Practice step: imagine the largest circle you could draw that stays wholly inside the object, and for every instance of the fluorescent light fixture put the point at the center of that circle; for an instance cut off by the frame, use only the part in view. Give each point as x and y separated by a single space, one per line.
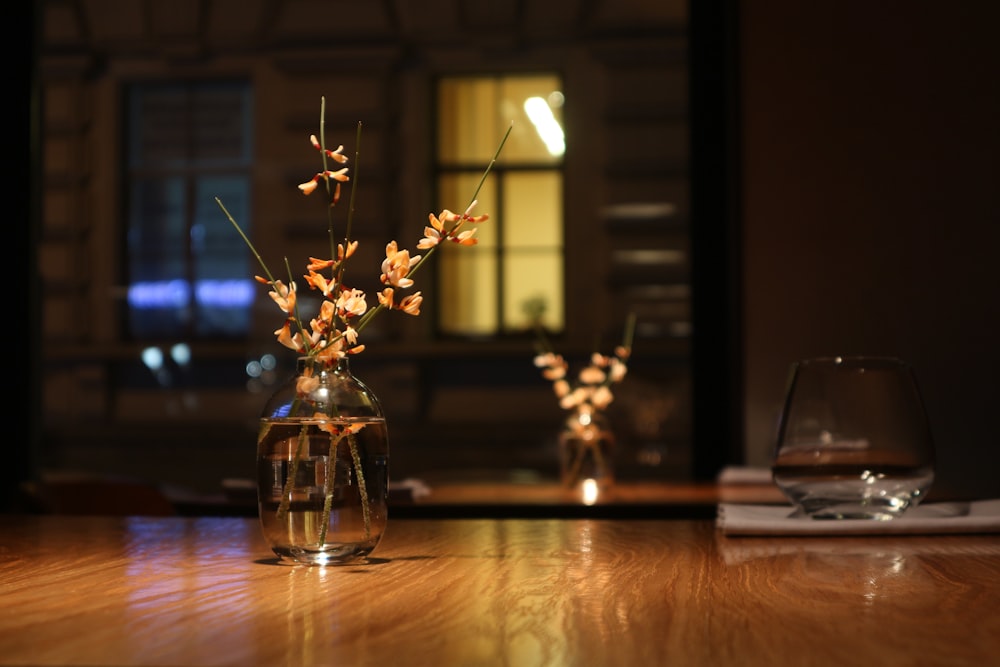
546 125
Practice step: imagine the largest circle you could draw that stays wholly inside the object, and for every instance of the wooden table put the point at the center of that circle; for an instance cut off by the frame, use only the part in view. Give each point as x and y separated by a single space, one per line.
625 500
520 592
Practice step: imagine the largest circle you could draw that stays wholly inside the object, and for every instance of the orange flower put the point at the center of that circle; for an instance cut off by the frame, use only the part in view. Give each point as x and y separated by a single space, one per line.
396 265
351 302
283 296
344 311
318 281
411 304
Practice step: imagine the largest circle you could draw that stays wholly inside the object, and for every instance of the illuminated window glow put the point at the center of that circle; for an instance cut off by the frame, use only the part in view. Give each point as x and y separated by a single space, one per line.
514 278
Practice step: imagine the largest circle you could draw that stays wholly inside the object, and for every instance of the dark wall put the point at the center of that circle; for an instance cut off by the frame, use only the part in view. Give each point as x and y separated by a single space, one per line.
871 136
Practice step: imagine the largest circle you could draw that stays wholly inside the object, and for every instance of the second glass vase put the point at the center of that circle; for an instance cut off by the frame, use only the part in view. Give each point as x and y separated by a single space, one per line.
586 450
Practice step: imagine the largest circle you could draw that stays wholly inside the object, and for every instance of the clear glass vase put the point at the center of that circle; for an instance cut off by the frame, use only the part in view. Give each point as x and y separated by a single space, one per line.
586 451
322 466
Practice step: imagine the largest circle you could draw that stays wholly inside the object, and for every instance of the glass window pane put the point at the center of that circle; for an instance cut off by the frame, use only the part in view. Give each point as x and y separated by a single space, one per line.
159 132
533 282
221 124
475 111
159 293
224 289
466 108
468 279
532 207
188 273
468 291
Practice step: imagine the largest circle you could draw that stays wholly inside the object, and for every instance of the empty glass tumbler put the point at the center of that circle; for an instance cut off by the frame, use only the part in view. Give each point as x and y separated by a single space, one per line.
854 440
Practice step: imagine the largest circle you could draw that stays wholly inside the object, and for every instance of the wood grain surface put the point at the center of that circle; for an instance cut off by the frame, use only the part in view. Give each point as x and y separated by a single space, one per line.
186 591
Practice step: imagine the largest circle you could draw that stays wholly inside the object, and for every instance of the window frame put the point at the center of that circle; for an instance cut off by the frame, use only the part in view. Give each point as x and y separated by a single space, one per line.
500 171
189 173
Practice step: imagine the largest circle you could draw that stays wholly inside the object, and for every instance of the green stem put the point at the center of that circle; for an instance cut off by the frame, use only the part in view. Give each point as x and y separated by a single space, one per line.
286 492
328 486
267 271
577 463
475 196
260 260
362 486
348 232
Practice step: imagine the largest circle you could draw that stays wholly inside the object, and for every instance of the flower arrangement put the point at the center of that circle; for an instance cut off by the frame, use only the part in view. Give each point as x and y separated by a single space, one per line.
586 443
592 390
322 342
345 312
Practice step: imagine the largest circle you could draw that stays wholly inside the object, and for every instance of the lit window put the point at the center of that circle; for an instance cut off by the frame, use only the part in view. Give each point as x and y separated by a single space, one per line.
515 275
187 144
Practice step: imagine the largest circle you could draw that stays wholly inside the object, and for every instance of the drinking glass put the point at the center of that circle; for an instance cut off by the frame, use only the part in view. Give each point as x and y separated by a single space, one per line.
853 440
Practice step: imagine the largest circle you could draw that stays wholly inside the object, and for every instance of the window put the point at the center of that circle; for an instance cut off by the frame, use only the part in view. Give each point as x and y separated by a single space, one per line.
515 275
187 144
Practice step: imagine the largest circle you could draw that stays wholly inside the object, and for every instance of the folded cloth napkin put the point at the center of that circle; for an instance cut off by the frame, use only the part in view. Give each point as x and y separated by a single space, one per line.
745 475
981 516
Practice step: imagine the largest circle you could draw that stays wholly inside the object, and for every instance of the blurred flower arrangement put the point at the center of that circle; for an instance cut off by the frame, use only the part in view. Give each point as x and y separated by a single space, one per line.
592 390
334 332
586 441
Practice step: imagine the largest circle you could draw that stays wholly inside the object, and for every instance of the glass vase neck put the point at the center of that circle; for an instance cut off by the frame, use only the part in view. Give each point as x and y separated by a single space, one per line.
316 364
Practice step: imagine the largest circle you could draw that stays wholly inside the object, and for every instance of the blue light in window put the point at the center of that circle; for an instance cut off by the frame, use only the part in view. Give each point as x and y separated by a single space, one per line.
177 294
225 293
159 294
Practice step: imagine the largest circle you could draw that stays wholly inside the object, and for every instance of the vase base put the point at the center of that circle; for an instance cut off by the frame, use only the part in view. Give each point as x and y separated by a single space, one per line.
331 555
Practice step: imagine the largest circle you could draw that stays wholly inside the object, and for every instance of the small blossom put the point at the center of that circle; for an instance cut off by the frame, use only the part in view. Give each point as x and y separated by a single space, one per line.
331 348
319 264
574 398
385 297
351 303
592 375
554 373
336 155
432 235
323 323
465 238
411 304
285 337
343 254
306 384
283 296
396 266
318 281
338 429
618 370
601 398
310 186
545 359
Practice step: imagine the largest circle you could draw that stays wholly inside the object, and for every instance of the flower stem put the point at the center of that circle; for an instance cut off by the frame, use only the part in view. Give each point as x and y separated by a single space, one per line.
260 260
286 492
362 486
328 486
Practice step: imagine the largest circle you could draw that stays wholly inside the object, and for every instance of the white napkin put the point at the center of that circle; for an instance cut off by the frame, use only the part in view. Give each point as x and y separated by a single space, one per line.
981 516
